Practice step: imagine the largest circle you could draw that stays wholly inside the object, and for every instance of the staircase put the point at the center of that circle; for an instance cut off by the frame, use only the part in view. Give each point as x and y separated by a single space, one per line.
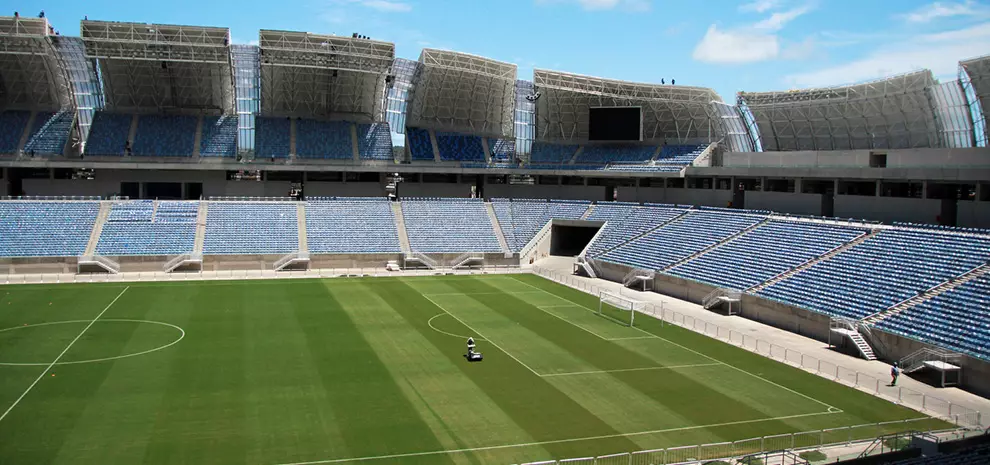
928 294
532 247
301 223
422 259
184 260
498 230
97 261
716 245
718 296
200 228
400 226
101 219
588 212
154 210
583 264
639 276
810 263
294 260
847 329
464 259
917 359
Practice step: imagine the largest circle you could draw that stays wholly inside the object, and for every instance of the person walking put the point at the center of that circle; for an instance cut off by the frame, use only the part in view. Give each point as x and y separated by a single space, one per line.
895 371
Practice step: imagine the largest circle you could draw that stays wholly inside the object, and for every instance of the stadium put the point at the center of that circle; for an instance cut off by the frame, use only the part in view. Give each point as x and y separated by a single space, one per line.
216 253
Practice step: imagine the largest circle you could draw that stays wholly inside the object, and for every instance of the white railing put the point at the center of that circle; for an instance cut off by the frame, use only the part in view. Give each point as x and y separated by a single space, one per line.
859 437
535 241
182 260
916 358
101 261
291 258
920 401
466 257
422 258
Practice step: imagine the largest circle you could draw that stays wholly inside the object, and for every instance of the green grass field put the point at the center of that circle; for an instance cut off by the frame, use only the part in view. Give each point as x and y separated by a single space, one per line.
280 372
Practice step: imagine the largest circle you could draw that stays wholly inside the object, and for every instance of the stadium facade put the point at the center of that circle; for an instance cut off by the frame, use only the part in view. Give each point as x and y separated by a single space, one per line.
166 111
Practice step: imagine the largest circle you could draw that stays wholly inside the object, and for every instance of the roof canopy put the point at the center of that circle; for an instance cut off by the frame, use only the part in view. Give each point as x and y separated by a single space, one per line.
30 74
461 92
670 113
313 75
978 74
155 67
892 113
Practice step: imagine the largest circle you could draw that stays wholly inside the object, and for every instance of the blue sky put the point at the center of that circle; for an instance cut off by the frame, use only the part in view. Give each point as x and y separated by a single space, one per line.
750 45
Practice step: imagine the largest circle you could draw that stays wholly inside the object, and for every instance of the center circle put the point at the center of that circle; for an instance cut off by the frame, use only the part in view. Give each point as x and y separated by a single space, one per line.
179 332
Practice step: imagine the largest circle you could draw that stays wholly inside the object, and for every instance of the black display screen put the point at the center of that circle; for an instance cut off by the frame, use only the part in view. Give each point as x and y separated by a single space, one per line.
618 124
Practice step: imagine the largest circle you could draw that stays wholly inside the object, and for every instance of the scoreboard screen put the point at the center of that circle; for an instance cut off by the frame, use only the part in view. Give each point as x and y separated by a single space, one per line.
615 124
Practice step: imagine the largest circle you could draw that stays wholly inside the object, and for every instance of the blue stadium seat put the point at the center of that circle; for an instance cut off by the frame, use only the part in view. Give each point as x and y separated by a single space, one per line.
375 141
680 154
503 150
272 137
234 228
460 147
420 147
882 271
765 252
324 139
50 133
449 226
165 136
615 153
626 221
680 239
12 124
138 228
351 225
958 319
552 153
521 219
108 134
45 229
219 137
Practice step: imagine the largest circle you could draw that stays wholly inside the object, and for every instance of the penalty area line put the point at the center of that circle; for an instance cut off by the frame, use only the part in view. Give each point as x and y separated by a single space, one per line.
50 365
622 370
557 441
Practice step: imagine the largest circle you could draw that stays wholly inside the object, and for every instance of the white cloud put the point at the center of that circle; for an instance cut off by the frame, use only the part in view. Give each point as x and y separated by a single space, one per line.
938 10
759 6
598 5
753 43
778 20
938 52
736 46
387 6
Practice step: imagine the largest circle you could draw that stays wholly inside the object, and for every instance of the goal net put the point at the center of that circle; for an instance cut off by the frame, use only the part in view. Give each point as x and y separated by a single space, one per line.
617 308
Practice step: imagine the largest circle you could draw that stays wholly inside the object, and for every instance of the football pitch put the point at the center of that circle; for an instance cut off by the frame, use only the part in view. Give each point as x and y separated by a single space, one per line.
372 370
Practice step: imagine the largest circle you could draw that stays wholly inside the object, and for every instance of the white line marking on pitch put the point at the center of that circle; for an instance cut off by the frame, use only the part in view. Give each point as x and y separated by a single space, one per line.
686 348
595 372
490 341
556 441
430 323
466 294
50 365
565 320
182 335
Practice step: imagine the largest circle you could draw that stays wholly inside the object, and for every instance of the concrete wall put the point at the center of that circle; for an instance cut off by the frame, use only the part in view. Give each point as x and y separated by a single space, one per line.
973 214
523 191
887 209
342 189
975 372
784 202
902 158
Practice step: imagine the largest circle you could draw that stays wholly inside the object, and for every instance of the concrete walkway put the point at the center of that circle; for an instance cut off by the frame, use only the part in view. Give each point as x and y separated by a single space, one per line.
873 375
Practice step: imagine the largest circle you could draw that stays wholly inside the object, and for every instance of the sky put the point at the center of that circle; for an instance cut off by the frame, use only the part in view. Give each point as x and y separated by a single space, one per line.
747 45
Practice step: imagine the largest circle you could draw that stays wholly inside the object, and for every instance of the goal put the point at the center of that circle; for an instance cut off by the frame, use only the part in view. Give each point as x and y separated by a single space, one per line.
617 308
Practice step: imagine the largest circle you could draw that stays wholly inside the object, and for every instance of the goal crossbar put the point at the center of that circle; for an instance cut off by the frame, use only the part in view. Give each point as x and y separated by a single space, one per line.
618 308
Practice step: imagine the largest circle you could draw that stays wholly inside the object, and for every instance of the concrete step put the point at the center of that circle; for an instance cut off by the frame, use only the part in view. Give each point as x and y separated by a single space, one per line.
94 234
301 222
400 226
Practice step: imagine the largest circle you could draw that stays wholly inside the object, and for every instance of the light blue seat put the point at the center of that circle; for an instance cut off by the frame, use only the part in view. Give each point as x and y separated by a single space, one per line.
219 137
449 226
45 229
626 221
351 225
137 228
236 228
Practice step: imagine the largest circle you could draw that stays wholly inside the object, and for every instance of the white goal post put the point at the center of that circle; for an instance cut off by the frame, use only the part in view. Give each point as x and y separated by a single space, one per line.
609 302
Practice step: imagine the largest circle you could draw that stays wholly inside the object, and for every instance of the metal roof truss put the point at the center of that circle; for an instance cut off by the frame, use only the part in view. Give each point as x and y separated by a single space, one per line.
31 73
